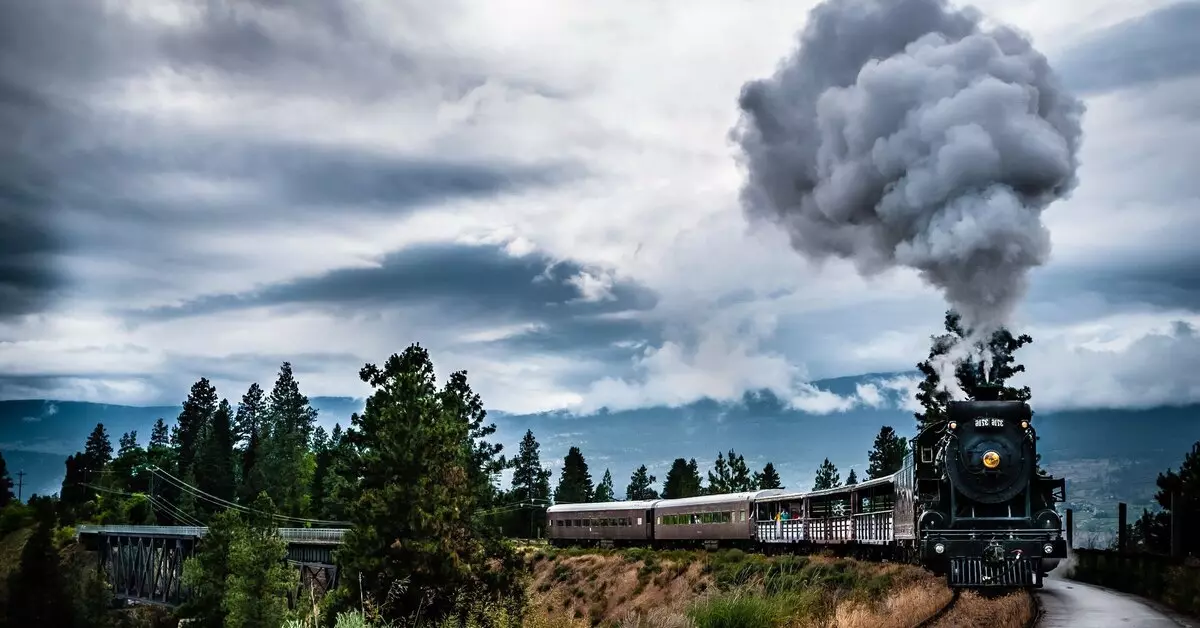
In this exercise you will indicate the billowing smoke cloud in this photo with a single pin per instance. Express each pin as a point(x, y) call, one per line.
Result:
point(904, 133)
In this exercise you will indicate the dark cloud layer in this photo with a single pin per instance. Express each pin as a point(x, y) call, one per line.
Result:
point(74, 178)
point(468, 281)
point(1159, 46)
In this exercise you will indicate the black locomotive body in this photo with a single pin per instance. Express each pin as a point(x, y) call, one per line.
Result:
point(986, 516)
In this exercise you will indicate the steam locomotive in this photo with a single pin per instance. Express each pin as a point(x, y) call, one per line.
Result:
point(968, 503)
point(987, 515)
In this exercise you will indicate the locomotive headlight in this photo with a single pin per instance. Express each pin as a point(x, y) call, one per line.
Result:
point(1024, 425)
point(1048, 548)
point(991, 460)
point(939, 548)
point(954, 425)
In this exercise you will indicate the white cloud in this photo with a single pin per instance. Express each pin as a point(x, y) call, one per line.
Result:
point(1123, 362)
point(645, 95)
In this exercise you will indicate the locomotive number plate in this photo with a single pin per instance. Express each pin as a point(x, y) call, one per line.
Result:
point(989, 422)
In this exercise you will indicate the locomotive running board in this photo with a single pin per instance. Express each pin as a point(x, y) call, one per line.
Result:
point(975, 572)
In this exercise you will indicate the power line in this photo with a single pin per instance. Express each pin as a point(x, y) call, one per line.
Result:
point(228, 504)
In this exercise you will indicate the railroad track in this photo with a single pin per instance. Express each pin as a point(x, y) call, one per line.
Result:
point(933, 619)
point(1035, 611)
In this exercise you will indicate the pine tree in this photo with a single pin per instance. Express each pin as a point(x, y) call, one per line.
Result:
point(887, 455)
point(97, 451)
point(73, 495)
point(130, 456)
point(1153, 530)
point(248, 428)
point(683, 480)
point(768, 478)
point(158, 435)
point(127, 443)
point(718, 478)
point(827, 476)
point(6, 484)
point(290, 421)
point(37, 589)
point(415, 502)
point(852, 478)
point(215, 460)
point(206, 571)
point(259, 577)
point(740, 479)
point(968, 373)
point(575, 482)
point(604, 490)
point(486, 463)
point(250, 411)
point(338, 487)
point(530, 485)
point(322, 456)
point(640, 485)
point(198, 409)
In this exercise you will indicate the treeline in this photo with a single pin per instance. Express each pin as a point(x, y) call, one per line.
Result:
point(1179, 490)
point(211, 457)
point(530, 490)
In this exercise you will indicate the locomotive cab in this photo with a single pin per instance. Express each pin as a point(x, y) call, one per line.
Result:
point(987, 514)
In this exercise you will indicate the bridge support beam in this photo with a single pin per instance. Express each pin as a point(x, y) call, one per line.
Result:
point(146, 568)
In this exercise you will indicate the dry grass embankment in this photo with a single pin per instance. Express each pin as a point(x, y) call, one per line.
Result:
point(1012, 610)
point(695, 589)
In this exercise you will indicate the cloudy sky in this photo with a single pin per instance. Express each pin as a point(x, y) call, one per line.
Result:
point(542, 192)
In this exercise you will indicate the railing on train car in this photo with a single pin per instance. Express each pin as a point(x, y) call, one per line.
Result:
point(779, 530)
point(874, 527)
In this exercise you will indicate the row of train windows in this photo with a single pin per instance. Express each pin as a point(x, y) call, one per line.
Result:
point(602, 522)
point(702, 517)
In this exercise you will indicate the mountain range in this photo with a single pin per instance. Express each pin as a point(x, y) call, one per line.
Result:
point(1107, 456)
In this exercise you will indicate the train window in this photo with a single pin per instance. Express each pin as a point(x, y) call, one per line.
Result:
point(639, 521)
point(927, 454)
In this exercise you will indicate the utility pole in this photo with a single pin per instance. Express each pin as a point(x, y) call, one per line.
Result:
point(20, 484)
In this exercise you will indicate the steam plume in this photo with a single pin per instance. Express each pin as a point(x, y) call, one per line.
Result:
point(904, 133)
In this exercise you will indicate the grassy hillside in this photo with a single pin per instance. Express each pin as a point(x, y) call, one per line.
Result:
point(696, 589)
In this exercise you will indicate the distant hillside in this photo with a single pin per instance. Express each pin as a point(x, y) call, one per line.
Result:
point(1106, 455)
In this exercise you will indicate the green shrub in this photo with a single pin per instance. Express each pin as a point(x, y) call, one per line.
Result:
point(738, 611)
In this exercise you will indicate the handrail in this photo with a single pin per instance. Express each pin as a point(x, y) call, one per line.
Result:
point(295, 535)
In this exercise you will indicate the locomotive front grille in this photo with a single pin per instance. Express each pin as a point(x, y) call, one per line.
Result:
point(975, 572)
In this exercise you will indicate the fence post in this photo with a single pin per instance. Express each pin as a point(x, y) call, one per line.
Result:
point(1122, 535)
point(1176, 525)
point(1070, 529)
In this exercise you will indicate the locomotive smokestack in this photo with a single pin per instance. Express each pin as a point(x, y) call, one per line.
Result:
point(988, 392)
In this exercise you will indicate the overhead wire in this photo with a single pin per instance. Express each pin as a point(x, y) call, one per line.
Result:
point(213, 499)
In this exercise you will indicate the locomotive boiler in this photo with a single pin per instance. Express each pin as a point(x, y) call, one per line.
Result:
point(986, 513)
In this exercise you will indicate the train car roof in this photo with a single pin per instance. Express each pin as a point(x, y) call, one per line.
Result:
point(784, 496)
point(597, 506)
point(725, 498)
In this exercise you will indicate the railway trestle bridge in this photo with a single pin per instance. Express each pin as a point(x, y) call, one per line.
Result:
point(145, 563)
